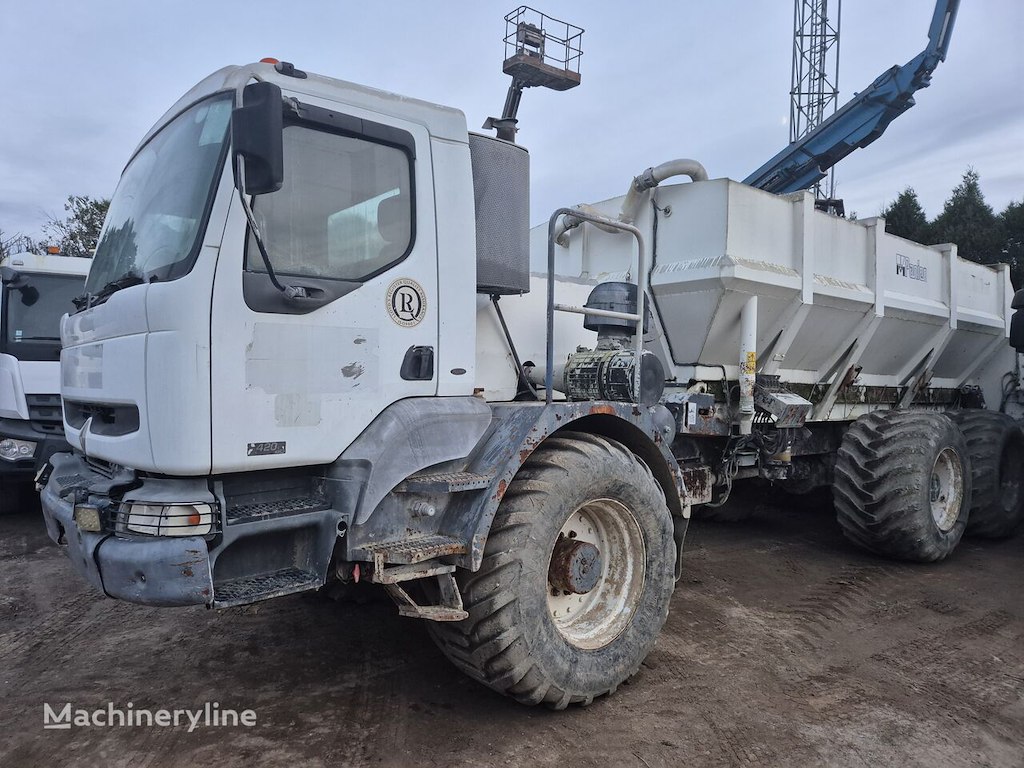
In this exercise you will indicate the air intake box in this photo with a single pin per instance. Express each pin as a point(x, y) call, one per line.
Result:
point(501, 190)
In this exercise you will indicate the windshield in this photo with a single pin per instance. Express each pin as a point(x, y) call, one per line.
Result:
point(32, 313)
point(156, 217)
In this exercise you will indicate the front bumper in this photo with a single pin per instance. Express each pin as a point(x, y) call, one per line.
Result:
point(260, 548)
point(162, 571)
point(46, 445)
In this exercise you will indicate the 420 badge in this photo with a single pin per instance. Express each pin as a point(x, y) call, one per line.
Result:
point(406, 302)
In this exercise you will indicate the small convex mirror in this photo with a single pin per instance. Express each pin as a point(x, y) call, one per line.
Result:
point(256, 137)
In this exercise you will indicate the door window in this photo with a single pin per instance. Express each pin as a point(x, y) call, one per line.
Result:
point(344, 212)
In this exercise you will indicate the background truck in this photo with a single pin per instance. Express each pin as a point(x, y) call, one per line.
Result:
point(320, 345)
point(36, 291)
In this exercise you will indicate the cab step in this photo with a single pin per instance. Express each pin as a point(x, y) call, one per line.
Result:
point(264, 586)
point(444, 482)
point(415, 549)
point(449, 607)
point(267, 510)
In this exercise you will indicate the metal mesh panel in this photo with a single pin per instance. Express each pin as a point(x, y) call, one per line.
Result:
point(501, 190)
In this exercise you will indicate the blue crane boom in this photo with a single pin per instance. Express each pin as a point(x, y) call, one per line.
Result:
point(862, 120)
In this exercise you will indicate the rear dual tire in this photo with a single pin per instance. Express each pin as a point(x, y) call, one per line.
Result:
point(995, 444)
point(903, 484)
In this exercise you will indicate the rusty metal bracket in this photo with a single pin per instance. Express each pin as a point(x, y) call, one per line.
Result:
point(449, 609)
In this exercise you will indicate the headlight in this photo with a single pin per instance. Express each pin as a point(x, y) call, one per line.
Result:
point(166, 519)
point(13, 450)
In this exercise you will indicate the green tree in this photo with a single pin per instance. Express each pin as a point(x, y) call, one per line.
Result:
point(1012, 222)
point(970, 222)
point(906, 218)
point(76, 235)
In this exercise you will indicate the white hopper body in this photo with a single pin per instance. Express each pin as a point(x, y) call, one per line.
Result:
point(832, 294)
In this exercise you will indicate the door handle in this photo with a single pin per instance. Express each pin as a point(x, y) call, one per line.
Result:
point(418, 364)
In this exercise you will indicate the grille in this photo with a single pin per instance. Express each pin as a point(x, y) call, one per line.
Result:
point(109, 420)
point(45, 414)
point(101, 467)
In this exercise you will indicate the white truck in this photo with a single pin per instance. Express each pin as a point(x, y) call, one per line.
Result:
point(37, 289)
point(313, 350)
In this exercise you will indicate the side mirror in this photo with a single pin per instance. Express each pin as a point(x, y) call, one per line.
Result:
point(257, 139)
point(10, 277)
point(29, 294)
point(1017, 331)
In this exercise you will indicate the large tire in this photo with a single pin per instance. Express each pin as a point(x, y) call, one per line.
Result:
point(511, 642)
point(995, 444)
point(903, 484)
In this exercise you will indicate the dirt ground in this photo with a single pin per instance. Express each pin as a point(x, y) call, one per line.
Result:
point(785, 646)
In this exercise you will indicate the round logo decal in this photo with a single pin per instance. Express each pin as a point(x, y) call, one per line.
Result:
point(406, 302)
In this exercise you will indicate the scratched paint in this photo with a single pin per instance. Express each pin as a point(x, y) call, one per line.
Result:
point(309, 360)
point(292, 410)
point(353, 370)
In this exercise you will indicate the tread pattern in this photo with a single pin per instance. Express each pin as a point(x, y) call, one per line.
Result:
point(490, 646)
point(992, 437)
point(881, 476)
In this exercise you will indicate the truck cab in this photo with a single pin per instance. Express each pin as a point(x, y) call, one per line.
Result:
point(37, 290)
point(251, 377)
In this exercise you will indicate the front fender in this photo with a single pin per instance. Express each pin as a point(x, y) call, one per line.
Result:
point(518, 429)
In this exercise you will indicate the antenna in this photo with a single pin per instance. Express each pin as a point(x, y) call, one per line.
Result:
point(814, 89)
point(539, 51)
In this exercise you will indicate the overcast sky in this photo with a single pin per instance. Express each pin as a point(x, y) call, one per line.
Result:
point(708, 80)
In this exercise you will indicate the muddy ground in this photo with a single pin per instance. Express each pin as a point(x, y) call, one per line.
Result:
point(785, 646)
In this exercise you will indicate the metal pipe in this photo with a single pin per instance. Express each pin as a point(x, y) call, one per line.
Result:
point(748, 363)
point(571, 222)
point(641, 271)
point(523, 381)
point(649, 179)
point(596, 312)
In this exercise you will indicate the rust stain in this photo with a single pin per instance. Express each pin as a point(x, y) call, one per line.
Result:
point(502, 485)
point(188, 572)
point(524, 455)
point(608, 409)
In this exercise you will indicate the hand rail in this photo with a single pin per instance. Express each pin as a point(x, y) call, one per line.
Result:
point(641, 269)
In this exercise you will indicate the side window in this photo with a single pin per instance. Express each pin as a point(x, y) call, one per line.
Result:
point(344, 211)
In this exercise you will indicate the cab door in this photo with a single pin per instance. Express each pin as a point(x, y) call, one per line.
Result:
point(298, 374)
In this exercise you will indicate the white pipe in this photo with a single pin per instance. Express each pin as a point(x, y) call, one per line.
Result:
point(652, 177)
point(649, 179)
point(569, 221)
point(748, 363)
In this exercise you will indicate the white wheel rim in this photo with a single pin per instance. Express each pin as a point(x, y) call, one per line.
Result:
point(594, 619)
point(946, 489)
